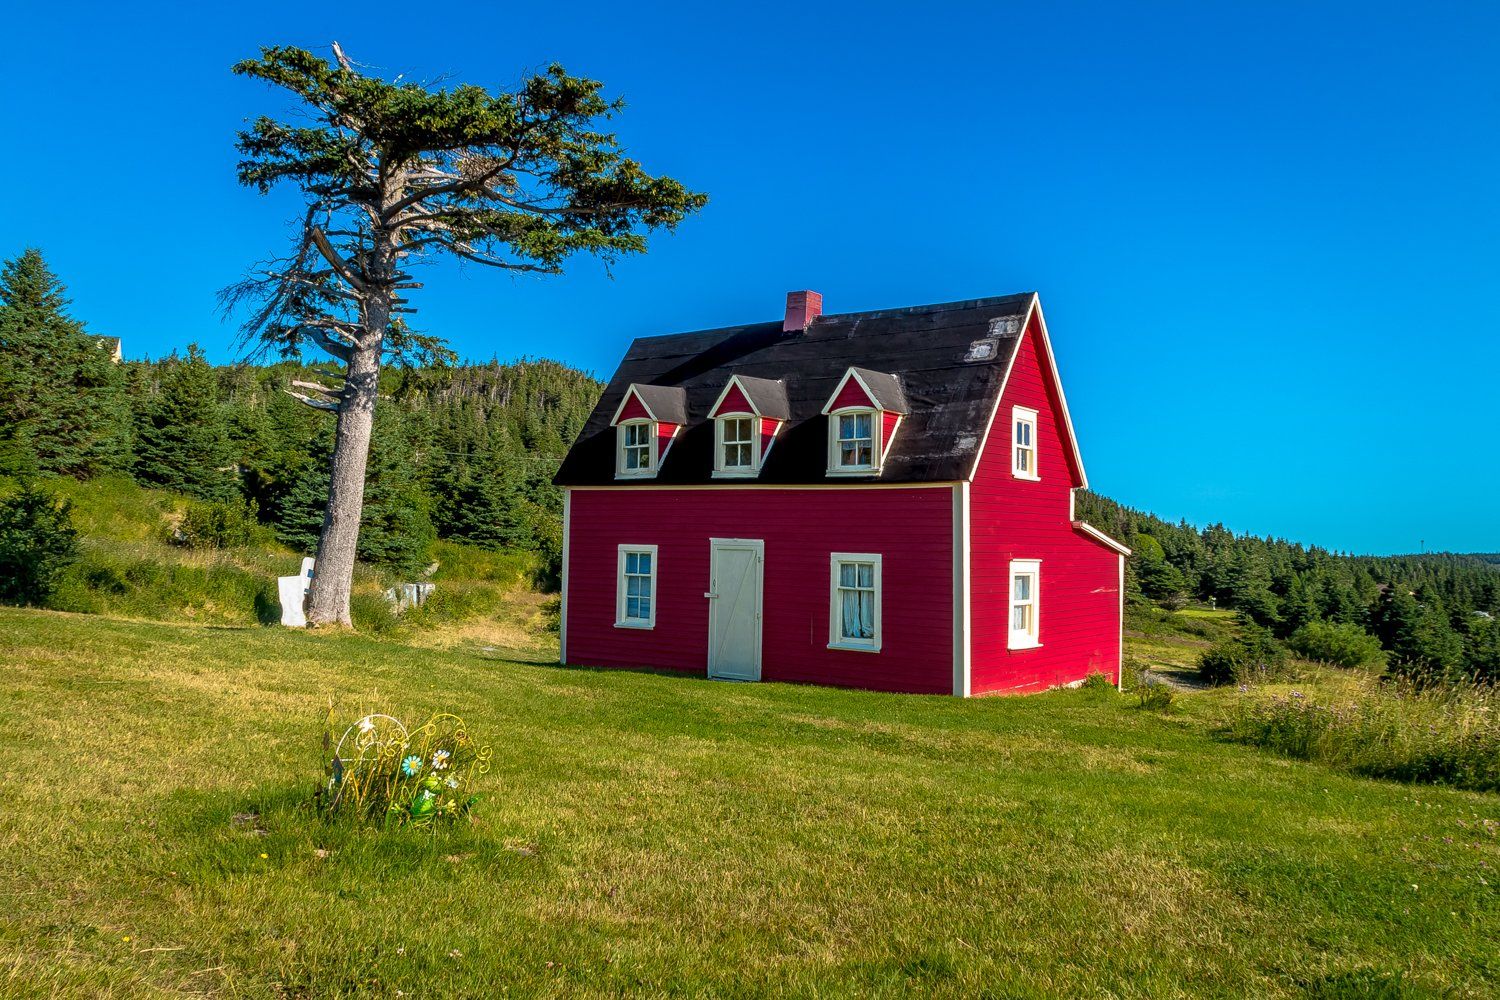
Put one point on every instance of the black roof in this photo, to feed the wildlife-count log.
(944, 364)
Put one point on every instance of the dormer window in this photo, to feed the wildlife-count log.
(748, 415)
(738, 445)
(646, 423)
(637, 448)
(1023, 443)
(864, 414)
(854, 441)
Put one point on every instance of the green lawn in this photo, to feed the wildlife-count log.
(652, 834)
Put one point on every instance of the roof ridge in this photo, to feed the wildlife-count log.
(932, 307)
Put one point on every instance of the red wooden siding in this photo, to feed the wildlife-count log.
(633, 409)
(888, 421)
(1079, 590)
(767, 434)
(910, 528)
(735, 402)
(851, 395)
(664, 435)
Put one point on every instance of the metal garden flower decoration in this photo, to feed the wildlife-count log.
(379, 771)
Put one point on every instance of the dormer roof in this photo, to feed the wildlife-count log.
(942, 366)
(764, 397)
(879, 389)
(666, 404)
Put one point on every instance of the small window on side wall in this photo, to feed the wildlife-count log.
(1025, 604)
(1023, 443)
(637, 451)
(635, 593)
(854, 602)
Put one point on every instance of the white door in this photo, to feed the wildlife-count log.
(734, 598)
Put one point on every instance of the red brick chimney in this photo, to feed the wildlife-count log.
(801, 309)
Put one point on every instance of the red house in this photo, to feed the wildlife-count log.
(876, 500)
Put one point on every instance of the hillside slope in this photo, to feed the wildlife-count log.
(129, 567)
(669, 835)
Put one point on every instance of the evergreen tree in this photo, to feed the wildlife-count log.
(37, 542)
(62, 397)
(182, 441)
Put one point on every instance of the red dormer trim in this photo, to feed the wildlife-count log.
(851, 393)
(632, 407)
(732, 400)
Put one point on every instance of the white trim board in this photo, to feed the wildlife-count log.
(962, 555)
(562, 628)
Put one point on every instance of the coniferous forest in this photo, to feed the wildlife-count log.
(467, 452)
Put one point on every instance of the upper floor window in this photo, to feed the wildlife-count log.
(854, 602)
(855, 446)
(738, 445)
(1025, 579)
(637, 448)
(635, 594)
(1023, 443)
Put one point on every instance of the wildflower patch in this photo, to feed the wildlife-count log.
(379, 771)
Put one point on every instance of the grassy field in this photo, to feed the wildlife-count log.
(650, 834)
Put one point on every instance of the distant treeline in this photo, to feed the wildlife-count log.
(464, 452)
(1436, 615)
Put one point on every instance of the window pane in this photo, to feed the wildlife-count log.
(866, 575)
(847, 574)
(1023, 588)
(864, 455)
(644, 562)
(862, 425)
(848, 614)
(632, 607)
(848, 454)
(644, 608)
(1020, 433)
(1018, 619)
(631, 559)
(846, 427)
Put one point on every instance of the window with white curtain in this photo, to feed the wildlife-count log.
(854, 605)
(1023, 445)
(853, 447)
(635, 596)
(1025, 606)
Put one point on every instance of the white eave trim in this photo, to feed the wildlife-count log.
(1101, 537)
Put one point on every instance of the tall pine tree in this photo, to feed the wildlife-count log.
(182, 441)
(62, 397)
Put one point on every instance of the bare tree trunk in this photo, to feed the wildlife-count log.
(333, 575)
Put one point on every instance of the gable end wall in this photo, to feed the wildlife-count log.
(1010, 518)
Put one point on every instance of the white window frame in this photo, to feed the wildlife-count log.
(1029, 638)
(725, 471)
(1023, 416)
(621, 621)
(836, 638)
(653, 433)
(836, 467)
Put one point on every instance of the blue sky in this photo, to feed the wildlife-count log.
(1265, 235)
